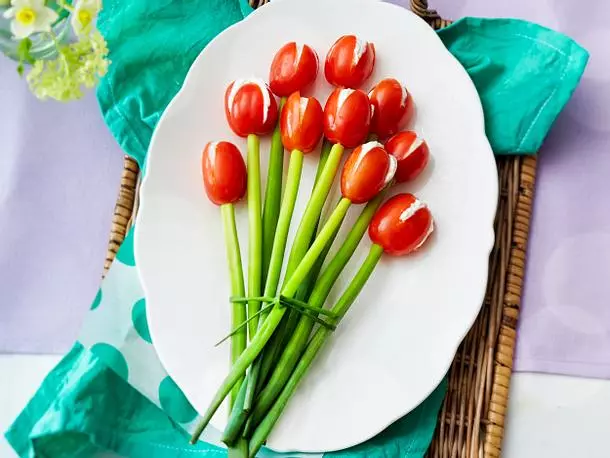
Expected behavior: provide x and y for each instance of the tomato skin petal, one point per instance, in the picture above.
(349, 62)
(301, 129)
(347, 117)
(392, 107)
(245, 108)
(224, 173)
(411, 152)
(286, 75)
(365, 173)
(402, 225)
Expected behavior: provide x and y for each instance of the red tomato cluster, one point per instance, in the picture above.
(348, 118)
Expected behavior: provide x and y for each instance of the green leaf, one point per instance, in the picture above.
(20, 69)
(23, 51)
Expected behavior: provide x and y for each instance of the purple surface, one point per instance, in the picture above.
(59, 176)
(565, 319)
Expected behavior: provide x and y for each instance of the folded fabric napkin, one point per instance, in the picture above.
(110, 392)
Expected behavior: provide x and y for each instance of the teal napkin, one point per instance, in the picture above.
(110, 392)
(525, 74)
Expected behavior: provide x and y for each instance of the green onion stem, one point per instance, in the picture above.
(324, 153)
(317, 248)
(319, 338)
(295, 168)
(273, 193)
(239, 450)
(279, 243)
(237, 416)
(278, 340)
(255, 229)
(293, 350)
(239, 339)
(312, 254)
(295, 276)
(330, 159)
(313, 210)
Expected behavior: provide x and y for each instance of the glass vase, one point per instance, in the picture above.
(43, 46)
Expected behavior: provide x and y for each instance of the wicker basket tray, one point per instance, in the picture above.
(471, 423)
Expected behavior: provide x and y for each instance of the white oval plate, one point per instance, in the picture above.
(398, 340)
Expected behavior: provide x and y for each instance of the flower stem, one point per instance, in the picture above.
(298, 339)
(255, 229)
(328, 232)
(312, 254)
(295, 168)
(273, 193)
(324, 153)
(283, 226)
(313, 210)
(238, 340)
(295, 277)
(319, 338)
(324, 180)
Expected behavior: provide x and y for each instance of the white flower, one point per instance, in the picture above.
(29, 16)
(84, 15)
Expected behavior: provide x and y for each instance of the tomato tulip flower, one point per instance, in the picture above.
(347, 117)
(251, 111)
(301, 129)
(224, 178)
(301, 123)
(392, 107)
(224, 173)
(368, 170)
(294, 68)
(250, 107)
(349, 62)
(401, 226)
(412, 154)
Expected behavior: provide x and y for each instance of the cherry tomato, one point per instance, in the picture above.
(349, 62)
(411, 152)
(224, 172)
(293, 68)
(347, 117)
(250, 107)
(301, 123)
(392, 107)
(402, 225)
(366, 172)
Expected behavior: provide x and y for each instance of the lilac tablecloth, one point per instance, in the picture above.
(59, 176)
(57, 192)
